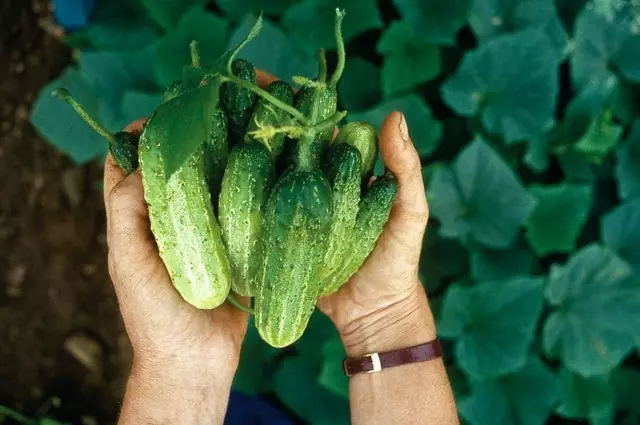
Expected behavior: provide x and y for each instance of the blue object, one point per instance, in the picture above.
(73, 14)
(249, 410)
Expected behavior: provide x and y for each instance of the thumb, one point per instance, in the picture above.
(410, 212)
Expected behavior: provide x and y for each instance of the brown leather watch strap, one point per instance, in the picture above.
(375, 362)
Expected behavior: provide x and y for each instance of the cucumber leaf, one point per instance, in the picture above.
(332, 376)
(558, 218)
(479, 198)
(493, 324)
(515, 97)
(621, 232)
(310, 23)
(627, 170)
(525, 397)
(492, 264)
(258, 361)
(273, 51)
(601, 136)
(490, 18)
(441, 258)
(426, 131)
(360, 85)
(626, 60)
(626, 382)
(167, 13)
(586, 398)
(596, 312)
(436, 21)
(139, 104)
(238, 9)
(409, 61)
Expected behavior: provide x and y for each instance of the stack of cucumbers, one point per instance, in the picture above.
(267, 203)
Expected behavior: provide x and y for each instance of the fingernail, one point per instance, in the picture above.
(404, 130)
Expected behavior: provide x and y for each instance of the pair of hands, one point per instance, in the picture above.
(184, 346)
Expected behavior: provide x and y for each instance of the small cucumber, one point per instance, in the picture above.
(238, 101)
(216, 153)
(247, 181)
(364, 137)
(297, 223)
(373, 214)
(266, 114)
(327, 106)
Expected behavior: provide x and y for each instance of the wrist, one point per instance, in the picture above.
(405, 323)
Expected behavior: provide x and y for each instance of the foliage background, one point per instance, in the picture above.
(526, 114)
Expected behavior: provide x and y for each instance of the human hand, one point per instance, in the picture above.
(383, 306)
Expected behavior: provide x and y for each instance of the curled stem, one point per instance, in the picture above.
(195, 54)
(342, 54)
(322, 66)
(237, 304)
(64, 95)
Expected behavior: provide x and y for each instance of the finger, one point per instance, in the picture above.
(264, 78)
(410, 211)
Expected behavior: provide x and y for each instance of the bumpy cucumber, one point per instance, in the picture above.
(373, 214)
(297, 223)
(216, 153)
(342, 167)
(364, 137)
(266, 114)
(184, 225)
(239, 101)
(247, 181)
(327, 106)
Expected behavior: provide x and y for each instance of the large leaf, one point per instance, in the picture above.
(168, 12)
(332, 375)
(596, 311)
(426, 131)
(257, 364)
(586, 398)
(479, 198)
(441, 258)
(511, 81)
(409, 61)
(559, 217)
(139, 104)
(626, 382)
(525, 397)
(490, 18)
(310, 23)
(173, 54)
(627, 169)
(238, 9)
(621, 232)
(59, 124)
(273, 51)
(436, 21)
(492, 264)
(494, 324)
(360, 85)
(626, 60)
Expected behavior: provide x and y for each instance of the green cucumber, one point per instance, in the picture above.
(239, 101)
(216, 153)
(327, 104)
(373, 214)
(247, 181)
(364, 137)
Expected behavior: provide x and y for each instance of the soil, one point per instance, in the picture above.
(61, 335)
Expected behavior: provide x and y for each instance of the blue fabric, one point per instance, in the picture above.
(248, 410)
(73, 14)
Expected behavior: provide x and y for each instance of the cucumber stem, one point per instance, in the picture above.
(253, 33)
(322, 63)
(342, 54)
(267, 96)
(237, 304)
(12, 414)
(64, 95)
(195, 53)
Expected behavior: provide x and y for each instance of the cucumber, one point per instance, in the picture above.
(364, 137)
(247, 181)
(327, 106)
(266, 114)
(297, 223)
(239, 101)
(373, 214)
(216, 154)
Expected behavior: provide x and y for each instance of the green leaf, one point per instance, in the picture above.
(578, 167)
(59, 124)
(360, 85)
(238, 9)
(601, 136)
(319, 330)
(297, 388)
(626, 382)
(167, 13)
(627, 170)
(310, 23)
(490, 18)
(490, 264)
(516, 97)
(440, 259)
(258, 361)
(586, 398)
(139, 104)
(479, 198)
(626, 59)
(559, 217)
(180, 125)
(597, 311)
(173, 54)
(49, 421)
(409, 61)
(494, 324)
(598, 39)
(426, 131)
(525, 397)
(435, 20)
(273, 51)
(620, 230)
(332, 376)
